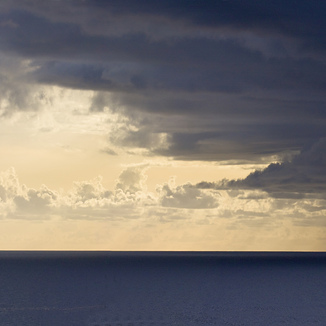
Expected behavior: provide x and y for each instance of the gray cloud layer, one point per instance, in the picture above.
(213, 80)
(303, 176)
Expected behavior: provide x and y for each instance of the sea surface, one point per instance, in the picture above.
(162, 288)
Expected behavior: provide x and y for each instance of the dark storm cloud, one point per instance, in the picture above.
(289, 15)
(240, 80)
(228, 75)
(306, 173)
(300, 19)
(178, 62)
(303, 176)
(214, 127)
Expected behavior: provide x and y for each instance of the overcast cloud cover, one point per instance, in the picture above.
(225, 81)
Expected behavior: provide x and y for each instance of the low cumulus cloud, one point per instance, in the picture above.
(186, 196)
(91, 200)
(18, 201)
(201, 204)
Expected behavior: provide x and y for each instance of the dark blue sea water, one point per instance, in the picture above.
(162, 288)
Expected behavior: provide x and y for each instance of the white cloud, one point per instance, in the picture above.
(88, 190)
(38, 201)
(90, 199)
(173, 207)
(133, 178)
(9, 185)
(174, 217)
(186, 196)
(18, 201)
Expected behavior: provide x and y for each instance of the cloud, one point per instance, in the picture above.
(9, 185)
(198, 82)
(91, 200)
(132, 179)
(136, 61)
(186, 196)
(88, 190)
(305, 23)
(18, 201)
(303, 176)
(109, 151)
(35, 202)
(211, 126)
(145, 138)
(17, 93)
(178, 215)
(217, 80)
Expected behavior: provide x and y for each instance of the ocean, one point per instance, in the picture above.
(162, 288)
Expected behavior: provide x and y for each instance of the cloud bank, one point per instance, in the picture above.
(207, 202)
(172, 217)
(242, 86)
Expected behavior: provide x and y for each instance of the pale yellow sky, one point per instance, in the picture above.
(56, 147)
(57, 234)
(53, 199)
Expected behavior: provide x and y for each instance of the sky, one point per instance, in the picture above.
(163, 125)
